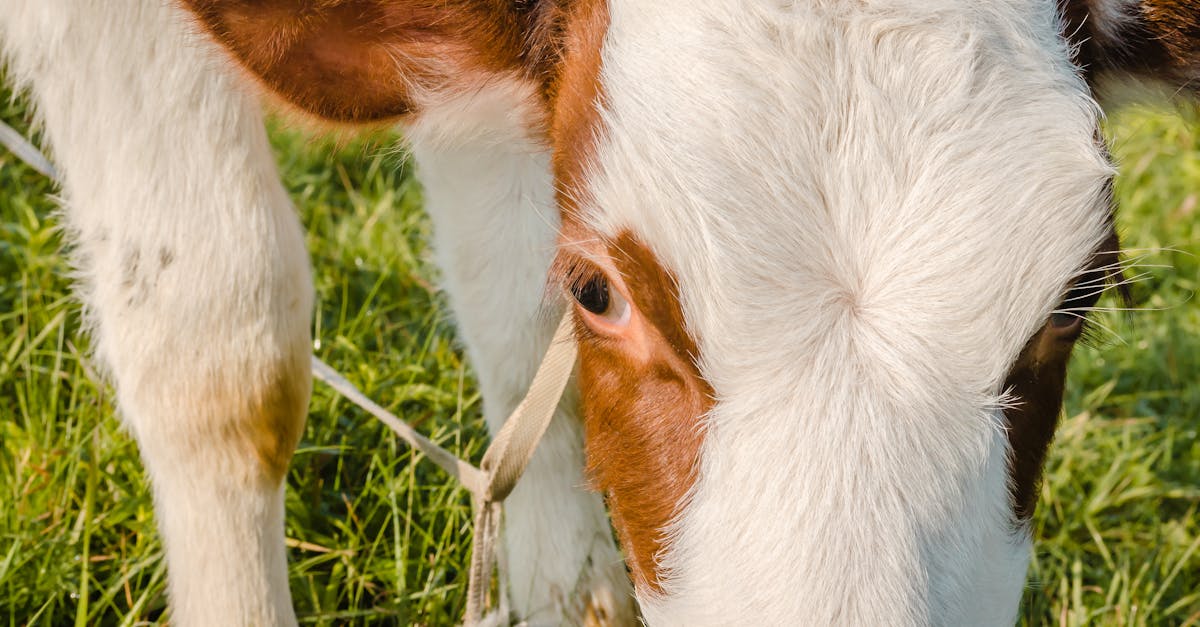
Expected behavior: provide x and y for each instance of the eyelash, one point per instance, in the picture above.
(1095, 282)
(602, 307)
(572, 274)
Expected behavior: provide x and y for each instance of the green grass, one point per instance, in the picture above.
(377, 538)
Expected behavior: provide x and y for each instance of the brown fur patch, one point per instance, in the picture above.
(576, 95)
(260, 419)
(1037, 381)
(364, 61)
(277, 414)
(1159, 39)
(642, 412)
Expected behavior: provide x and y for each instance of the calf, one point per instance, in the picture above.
(828, 258)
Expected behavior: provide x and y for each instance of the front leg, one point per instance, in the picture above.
(195, 279)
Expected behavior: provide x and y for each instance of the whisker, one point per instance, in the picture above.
(1157, 250)
(1092, 324)
(587, 240)
(1129, 265)
(1101, 288)
(1116, 268)
(1107, 284)
(1116, 309)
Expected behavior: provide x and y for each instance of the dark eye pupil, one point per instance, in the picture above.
(593, 294)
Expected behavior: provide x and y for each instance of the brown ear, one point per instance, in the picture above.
(1146, 39)
(363, 61)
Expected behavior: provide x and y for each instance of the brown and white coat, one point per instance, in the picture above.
(829, 259)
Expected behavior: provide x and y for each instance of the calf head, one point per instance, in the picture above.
(829, 259)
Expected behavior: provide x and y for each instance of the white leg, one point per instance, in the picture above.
(194, 277)
(489, 192)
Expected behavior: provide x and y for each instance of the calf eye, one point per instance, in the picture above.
(1066, 321)
(593, 294)
(1069, 316)
(605, 306)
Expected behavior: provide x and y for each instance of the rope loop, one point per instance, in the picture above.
(504, 461)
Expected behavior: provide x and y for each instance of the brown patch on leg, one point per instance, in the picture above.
(260, 419)
(278, 417)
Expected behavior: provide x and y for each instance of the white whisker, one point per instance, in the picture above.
(1104, 287)
(1152, 251)
(1116, 309)
(1093, 323)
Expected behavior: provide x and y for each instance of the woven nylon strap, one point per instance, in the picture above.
(504, 460)
(512, 448)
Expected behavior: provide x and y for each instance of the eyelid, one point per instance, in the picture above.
(1081, 296)
(570, 273)
(580, 260)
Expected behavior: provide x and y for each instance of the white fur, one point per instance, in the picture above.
(870, 209)
(192, 270)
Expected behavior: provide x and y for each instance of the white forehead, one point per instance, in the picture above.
(887, 155)
(870, 207)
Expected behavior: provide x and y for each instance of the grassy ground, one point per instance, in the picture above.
(379, 539)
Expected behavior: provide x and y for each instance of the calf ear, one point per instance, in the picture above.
(1143, 39)
(363, 61)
